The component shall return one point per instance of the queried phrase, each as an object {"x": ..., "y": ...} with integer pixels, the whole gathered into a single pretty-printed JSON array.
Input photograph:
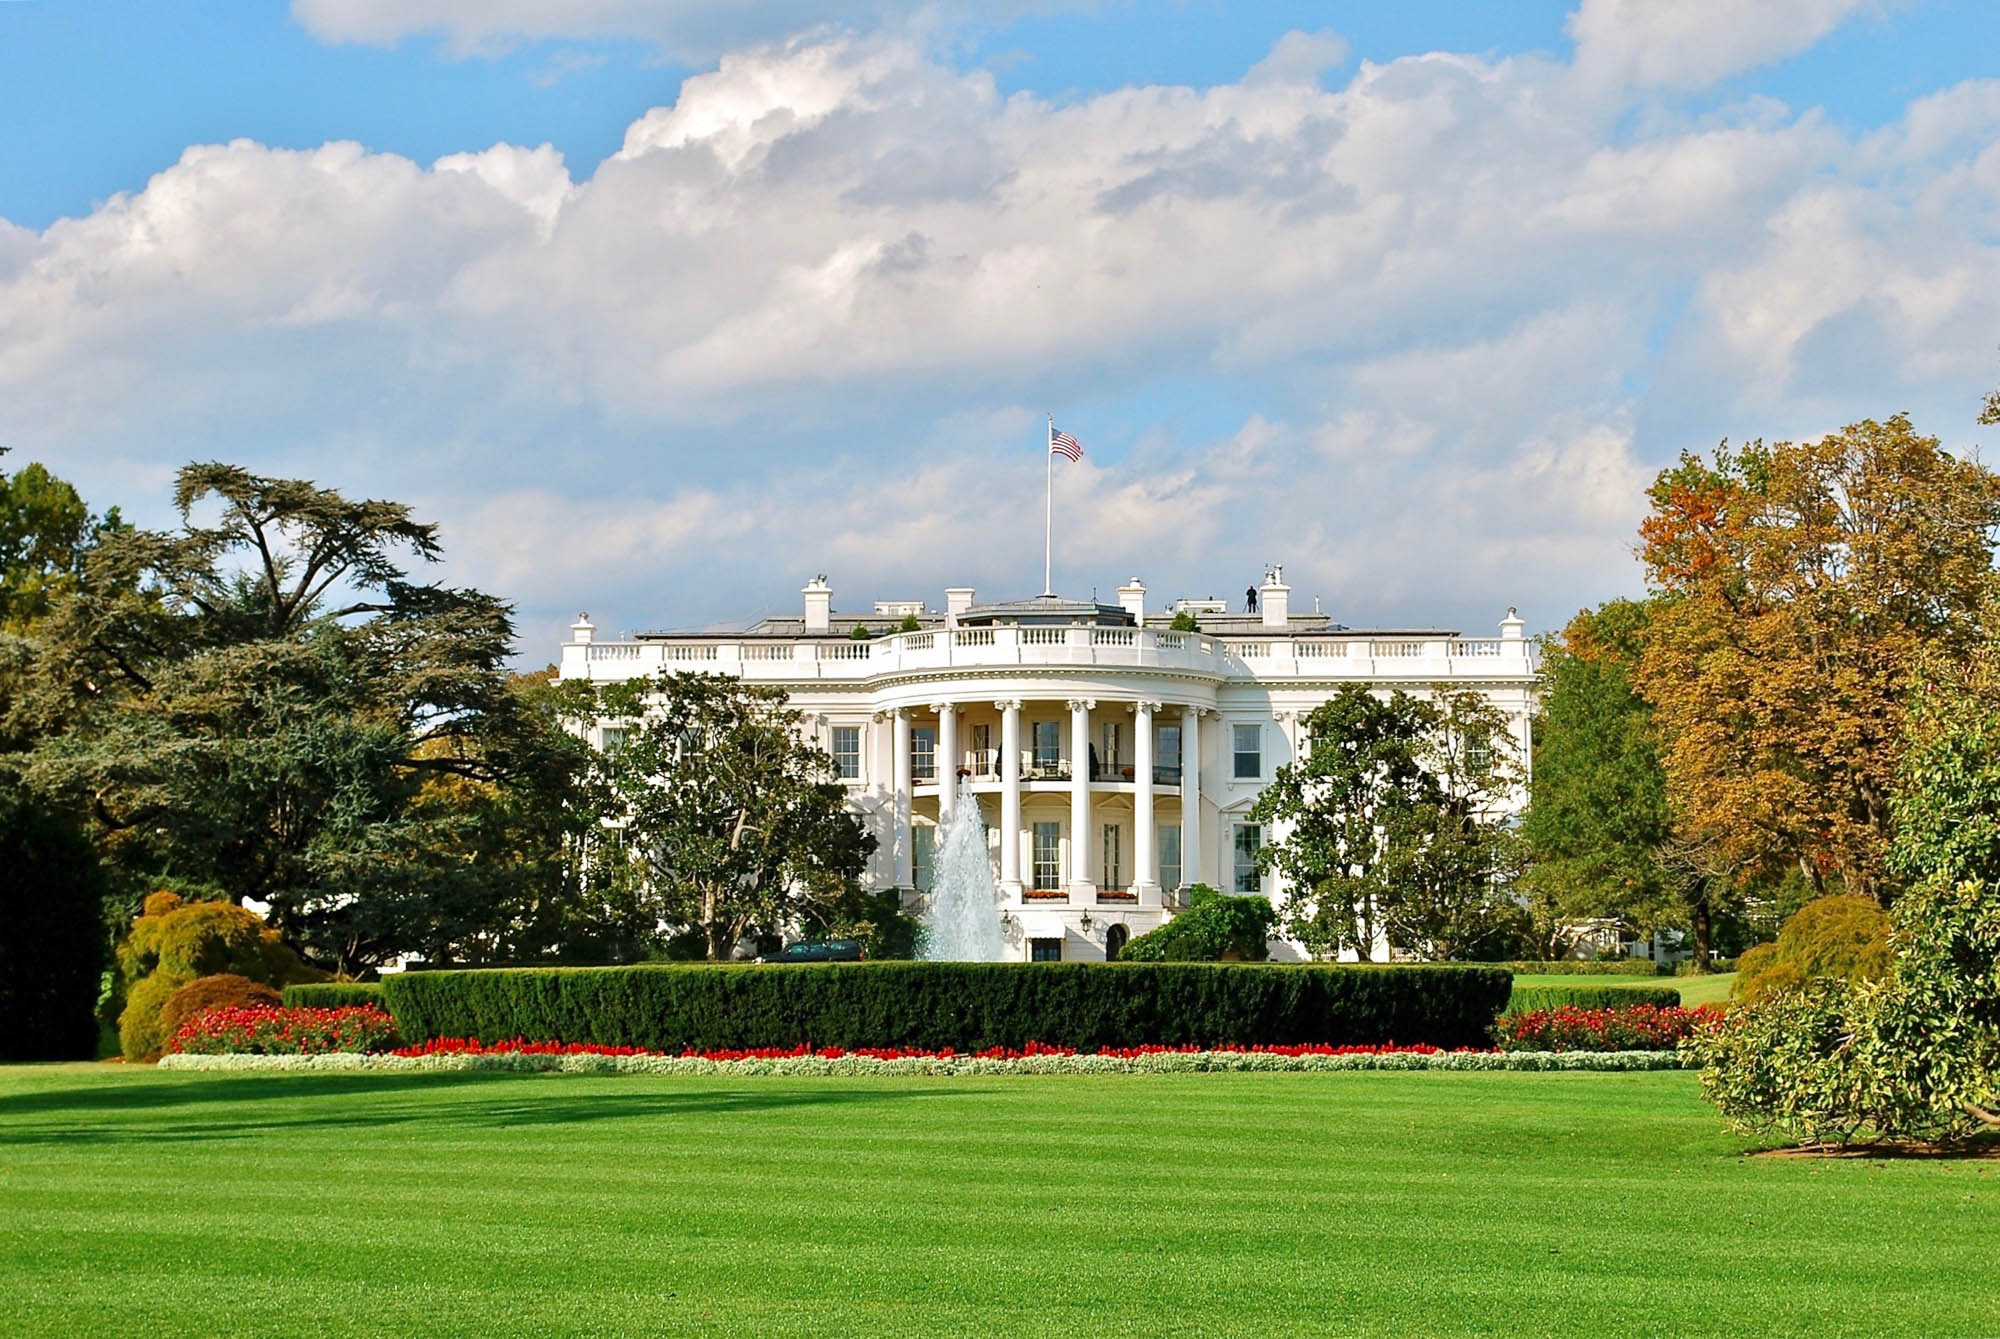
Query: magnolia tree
[
  {"x": 717, "y": 813},
  {"x": 1390, "y": 825}
]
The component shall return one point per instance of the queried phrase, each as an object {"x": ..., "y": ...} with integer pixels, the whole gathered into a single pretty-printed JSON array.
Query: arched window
[{"x": 1114, "y": 942}]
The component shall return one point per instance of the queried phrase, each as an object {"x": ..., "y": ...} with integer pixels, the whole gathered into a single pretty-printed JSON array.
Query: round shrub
[
  {"x": 226, "y": 990},
  {"x": 174, "y": 942},
  {"x": 1213, "y": 928},
  {"x": 1840, "y": 938}
]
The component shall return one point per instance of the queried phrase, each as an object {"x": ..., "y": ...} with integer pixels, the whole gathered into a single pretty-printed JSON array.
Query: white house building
[{"x": 1114, "y": 760}]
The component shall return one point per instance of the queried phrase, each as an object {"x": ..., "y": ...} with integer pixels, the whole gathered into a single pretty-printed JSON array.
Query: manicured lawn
[
  {"x": 1711, "y": 989},
  {"x": 134, "y": 1202}
]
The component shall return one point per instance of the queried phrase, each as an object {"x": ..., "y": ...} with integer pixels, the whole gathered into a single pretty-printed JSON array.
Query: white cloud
[
  {"x": 692, "y": 30},
  {"x": 807, "y": 315},
  {"x": 1694, "y": 43}
]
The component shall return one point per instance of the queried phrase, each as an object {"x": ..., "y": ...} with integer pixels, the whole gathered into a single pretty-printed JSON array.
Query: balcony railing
[{"x": 916, "y": 653}]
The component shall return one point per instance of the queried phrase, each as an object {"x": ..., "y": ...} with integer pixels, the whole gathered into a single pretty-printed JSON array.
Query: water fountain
[{"x": 963, "y": 922}]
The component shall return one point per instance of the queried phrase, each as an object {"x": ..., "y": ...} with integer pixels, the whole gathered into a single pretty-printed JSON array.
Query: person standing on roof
[{"x": 1249, "y": 599}]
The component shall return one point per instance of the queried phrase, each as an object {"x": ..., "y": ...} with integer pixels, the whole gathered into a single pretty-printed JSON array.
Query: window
[
  {"x": 923, "y": 753},
  {"x": 1248, "y": 840},
  {"x": 982, "y": 751},
  {"x": 1167, "y": 757},
  {"x": 1479, "y": 758},
  {"x": 923, "y": 857},
  {"x": 1170, "y": 855},
  {"x": 1048, "y": 857},
  {"x": 1112, "y": 874},
  {"x": 1249, "y": 744},
  {"x": 1114, "y": 942},
  {"x": 613, "y": 737},
  {"x": 1045, "y": 950},
  {"x": 1111, "y": 754},
  {"x": 1048, "y": 745},
  {"x": 847, "y": 751}
]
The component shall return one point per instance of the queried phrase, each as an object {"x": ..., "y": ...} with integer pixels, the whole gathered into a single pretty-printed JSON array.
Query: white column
[
  {"x": 905, "y": 870},
  {"x": 1081, "y": 862},
  {"x": 1191, "y": 796},
  {"x": 1010, "y": 798},
  {"x": 1145, "y": 839},
  {"x": 947, "y": 756}
]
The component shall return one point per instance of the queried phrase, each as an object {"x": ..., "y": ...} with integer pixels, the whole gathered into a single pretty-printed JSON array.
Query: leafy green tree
[
  {"x": 730, "y": 821},
  {"x": 261, "y": 703},
  {"x": 1389, "y": 824},
  {"x": 910, "y": 623},
  {"x": 1184, "y": 621},
  {"x": 1597, "y": 817}
]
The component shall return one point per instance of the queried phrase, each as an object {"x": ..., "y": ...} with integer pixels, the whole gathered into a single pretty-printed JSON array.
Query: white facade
[{"x": 1114, "y": 760}]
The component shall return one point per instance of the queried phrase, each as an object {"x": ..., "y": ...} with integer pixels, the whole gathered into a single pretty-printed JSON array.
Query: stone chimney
[
  {"x": 957, "y": 599},
  {"x": 581, "y": 631},
  {"x": 1512, "y": 629},
  {"x": 1133, "y": 596},
  {"x": 819, "y": 604},
  {"x": 1274, "y": 598}
]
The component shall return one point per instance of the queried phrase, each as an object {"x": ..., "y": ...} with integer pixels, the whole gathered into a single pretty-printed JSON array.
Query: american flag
[{"x": 1062, "y": 444}]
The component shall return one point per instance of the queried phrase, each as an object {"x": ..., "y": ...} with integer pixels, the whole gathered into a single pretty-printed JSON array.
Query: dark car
[{"x": 819, "y": 950}]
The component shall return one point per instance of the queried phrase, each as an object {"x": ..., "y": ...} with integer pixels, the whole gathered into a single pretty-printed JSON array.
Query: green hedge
[
  {"x": 1527, "y": 998},
  {"x": 963, "y": 1006},
  {"x": 334, "y": 995},
  {"x": 1586, "y": 967}
]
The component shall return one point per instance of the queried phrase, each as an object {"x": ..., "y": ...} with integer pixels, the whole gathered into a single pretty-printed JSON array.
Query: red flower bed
[
  {"x": 263, "y": 1030},
  {"x": 521, "y": 1046},
  {"x": 1640, "y": 1027}
]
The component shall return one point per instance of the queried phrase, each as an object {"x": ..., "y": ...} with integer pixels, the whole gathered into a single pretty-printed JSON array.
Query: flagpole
[{"x": 1049, "y": 511}]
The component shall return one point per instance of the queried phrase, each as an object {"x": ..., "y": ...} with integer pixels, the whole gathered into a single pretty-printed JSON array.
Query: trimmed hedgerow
[
  {"x": 334, "y": 995},
  {"x": 1585, "y": 967},
  {"x": 959, "y": 1006},
  {"x": 1527, "y": 999}
]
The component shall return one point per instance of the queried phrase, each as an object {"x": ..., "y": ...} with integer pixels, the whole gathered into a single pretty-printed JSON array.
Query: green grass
[
  {"x": 136, "y": 1202},
  {"x": 1711, "y": 989}
]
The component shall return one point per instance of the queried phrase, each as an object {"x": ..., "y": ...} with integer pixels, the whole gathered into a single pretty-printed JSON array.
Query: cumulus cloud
[
  {"x": 807, "y": 315},
  {"x": 692, "y": 30},
  {"x": 1694, "y": 43}
]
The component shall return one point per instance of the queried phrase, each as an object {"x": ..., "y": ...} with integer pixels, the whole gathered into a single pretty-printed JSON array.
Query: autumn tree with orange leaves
[{"x": 1799, "y": 584}]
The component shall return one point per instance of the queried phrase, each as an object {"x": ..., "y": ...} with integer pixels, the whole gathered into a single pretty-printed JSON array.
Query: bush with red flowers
[
  {"x": 1640, "y": 1027},
  {"x": 265, "y": 1030}
]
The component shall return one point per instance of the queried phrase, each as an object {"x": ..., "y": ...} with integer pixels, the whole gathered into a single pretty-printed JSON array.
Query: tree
[
  {"x": 731, "y": 819},
  {"x": 1184, "y": 621},
  {"x": 910, "y": 623},
  {"x": 52, "y": 944},
  {"x": 44, "y": 527},
  {"x": 1598, "y": 826},
  {"x": 262, "y": 705},
  {"x": 1389, "y": 824},
  {"x": 1799, "y": 584}
]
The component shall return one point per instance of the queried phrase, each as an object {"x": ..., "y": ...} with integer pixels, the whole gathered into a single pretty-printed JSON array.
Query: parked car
[{"x": 819, "y": 950}]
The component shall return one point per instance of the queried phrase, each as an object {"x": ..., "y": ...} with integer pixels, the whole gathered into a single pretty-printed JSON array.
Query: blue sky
[{"x": 1412, "y": 298}]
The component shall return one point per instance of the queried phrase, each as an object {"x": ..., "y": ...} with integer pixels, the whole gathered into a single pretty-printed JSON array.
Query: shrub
[
  {"x": 959, "y": 1006},
  {"x": 51, "y": 934},
  {"x": 269, "y": 1030},
  {"x": 212, "y": 992},
  {"x": 1586, "y": 967},
  {"x": 1528, "y": 999},
  {"x": 1212, "y": 928},
  {"x": 1915, "y": 1055},
  {"x": 1841, "y": 938},
  {"x": 173, "y": 942},
  {"x": 1641, "y": 1027},
  {"x": 333, "y": 995}
]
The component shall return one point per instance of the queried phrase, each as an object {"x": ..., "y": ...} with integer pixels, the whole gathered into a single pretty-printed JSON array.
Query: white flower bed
[{"x": 1166, "y": 1062}]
